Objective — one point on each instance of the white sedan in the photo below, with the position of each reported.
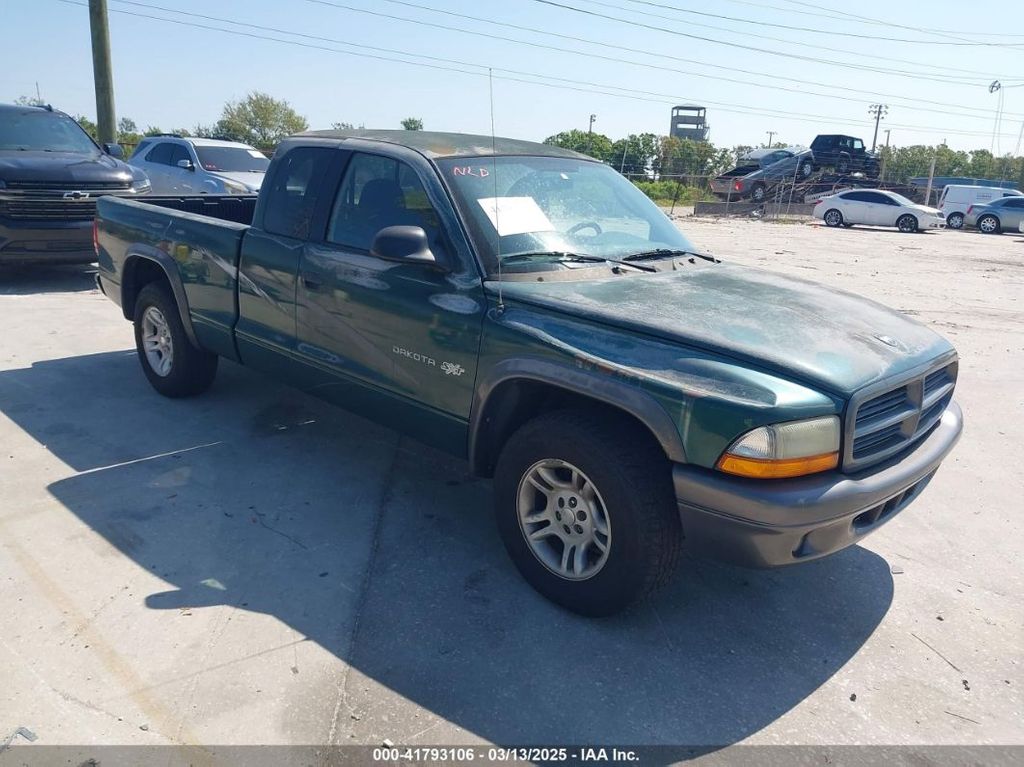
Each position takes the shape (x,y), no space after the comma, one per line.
(877,207)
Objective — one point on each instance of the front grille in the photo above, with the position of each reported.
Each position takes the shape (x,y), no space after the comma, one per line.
(48,209)
(885,423)
(70,186)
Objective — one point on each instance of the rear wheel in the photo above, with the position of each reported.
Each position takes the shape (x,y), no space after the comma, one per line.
(906,223)
(586,510)
(173,366)
(806,168)
(758,193)
(988,224)
(833,217)
(955,221)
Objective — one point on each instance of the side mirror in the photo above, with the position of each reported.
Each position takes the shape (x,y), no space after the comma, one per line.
(186,164)
(114,150)
(403,243)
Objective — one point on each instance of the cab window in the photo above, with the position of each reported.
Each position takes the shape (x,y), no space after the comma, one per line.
(292,194)
(161,153)
(375,193)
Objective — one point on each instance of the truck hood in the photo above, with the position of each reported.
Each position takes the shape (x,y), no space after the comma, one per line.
(834,339)
(251,180)
(62,167)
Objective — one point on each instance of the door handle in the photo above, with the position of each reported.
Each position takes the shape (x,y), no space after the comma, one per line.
(311,281)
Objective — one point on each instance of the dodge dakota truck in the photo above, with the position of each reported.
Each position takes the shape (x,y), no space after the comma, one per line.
(529,309)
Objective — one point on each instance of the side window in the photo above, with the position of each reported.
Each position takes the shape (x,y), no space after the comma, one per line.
(858,144)
(178,153)
(881,199)
(141,149)
(161,153)
(378,192)
(857,197)
(1013,203)
(292,194)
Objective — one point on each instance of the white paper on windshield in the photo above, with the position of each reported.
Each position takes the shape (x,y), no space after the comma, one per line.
(515,215)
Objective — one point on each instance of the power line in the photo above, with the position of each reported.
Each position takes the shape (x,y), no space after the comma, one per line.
(798,57)
(813,30)
(802,90)
(581,86)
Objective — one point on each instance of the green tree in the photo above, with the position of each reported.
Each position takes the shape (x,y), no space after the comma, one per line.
(412,123)
(636,155)
(597,145)
(29,101)
(342,126)
(260,120)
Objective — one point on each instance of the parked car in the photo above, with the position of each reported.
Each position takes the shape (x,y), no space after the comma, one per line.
(51,172)
(760,170)
(529,309)
(184,165)
(844,153)
(997,216)
(957,198)
(877,207)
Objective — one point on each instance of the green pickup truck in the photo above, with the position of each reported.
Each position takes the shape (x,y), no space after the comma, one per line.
(527,308)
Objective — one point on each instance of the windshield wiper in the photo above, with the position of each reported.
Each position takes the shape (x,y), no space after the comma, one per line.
(666,252)
(562,255)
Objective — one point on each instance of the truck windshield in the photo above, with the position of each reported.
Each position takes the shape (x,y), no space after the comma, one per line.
(40,131)
(232,159)
(523,204)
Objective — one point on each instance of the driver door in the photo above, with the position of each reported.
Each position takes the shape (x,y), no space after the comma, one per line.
(406,333)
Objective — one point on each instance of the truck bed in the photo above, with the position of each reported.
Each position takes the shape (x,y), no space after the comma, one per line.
(196,240)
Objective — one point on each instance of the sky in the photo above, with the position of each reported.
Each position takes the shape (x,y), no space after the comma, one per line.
(791,67)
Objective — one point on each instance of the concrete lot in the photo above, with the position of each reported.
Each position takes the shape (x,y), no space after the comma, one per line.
(253,566)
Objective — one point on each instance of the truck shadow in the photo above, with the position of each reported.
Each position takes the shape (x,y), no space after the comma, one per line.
(385,554)
(32,280)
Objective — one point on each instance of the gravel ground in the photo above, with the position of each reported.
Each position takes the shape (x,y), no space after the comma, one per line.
(256,567)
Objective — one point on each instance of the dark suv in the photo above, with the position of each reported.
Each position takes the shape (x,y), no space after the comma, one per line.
(844,153)
(51,173)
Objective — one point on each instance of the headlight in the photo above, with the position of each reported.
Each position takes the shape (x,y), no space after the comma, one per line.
(141,186)
(785,449)
(233,187)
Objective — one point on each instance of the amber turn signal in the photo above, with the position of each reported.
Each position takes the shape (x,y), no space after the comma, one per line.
(778,468)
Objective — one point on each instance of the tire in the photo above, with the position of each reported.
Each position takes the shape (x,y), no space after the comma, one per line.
(758,193)
(806,169)
(833,218)
(606,470)
(907,223)
(989,224)
(843,166)
(955,221)
(174,367)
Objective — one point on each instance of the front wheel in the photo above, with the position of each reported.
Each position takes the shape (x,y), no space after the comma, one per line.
(833,218)
(586,510)
(988,225)
(955,221)
(173,366)
(906,223)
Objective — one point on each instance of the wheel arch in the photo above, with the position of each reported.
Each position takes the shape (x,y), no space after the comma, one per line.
(516,390)
(144,266)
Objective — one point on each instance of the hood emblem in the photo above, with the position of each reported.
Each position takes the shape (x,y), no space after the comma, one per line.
(75,195)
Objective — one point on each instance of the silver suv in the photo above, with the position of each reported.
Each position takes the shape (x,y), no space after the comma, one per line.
(185,165)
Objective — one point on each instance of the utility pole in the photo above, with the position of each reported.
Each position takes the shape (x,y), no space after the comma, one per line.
(771,135)
(878,111)
(103,76)
(590,131)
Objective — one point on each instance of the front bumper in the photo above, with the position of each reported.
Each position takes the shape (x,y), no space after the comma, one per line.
(768,523)
(46,242)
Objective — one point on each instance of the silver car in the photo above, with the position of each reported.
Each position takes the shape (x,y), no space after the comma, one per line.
(185,165)
(1006,213)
